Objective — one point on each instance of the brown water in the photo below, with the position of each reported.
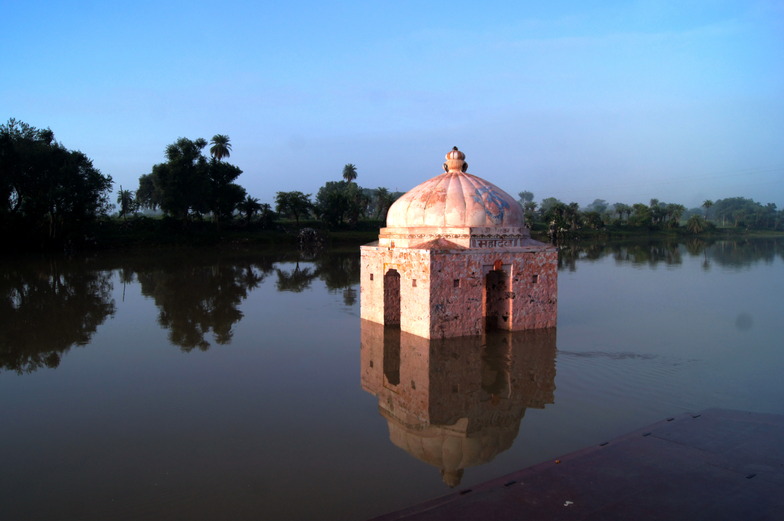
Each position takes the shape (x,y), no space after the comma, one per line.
(208,385)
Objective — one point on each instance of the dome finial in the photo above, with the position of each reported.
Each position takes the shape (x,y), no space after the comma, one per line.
(455,161)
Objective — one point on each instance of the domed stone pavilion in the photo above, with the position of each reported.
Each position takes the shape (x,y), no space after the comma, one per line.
(456,259)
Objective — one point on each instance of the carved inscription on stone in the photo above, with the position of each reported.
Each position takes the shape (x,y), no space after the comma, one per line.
(495,243)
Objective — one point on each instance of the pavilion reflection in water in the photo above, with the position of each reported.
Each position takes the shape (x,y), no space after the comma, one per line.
(456,403)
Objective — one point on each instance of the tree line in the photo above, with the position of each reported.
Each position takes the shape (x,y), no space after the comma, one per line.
(53,197)
(563,221)
(191,186)
(48,194)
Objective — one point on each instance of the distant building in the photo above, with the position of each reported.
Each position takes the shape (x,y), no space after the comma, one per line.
(456,259)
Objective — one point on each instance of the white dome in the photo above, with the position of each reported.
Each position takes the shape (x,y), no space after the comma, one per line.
(455,199)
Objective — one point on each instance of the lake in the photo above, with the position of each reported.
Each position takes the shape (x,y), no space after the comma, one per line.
(191,384)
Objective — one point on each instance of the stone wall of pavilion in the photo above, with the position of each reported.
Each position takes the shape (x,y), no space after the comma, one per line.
(457,299)
(414,269)
(442,292)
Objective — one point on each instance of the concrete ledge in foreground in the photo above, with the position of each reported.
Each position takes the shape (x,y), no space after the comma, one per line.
(715,465)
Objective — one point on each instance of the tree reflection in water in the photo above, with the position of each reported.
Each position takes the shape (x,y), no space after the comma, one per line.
(456,403)
(735,254)
(340,270)
(196,299)
(46,307)
(295,280)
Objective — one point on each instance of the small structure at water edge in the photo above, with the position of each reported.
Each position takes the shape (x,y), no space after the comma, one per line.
(457,259)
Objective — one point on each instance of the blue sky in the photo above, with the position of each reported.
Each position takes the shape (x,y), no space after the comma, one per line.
(618,100)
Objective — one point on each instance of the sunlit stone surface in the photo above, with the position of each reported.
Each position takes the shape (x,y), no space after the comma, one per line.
(456,259)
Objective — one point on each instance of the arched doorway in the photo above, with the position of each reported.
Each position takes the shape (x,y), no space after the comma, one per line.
(498,303)
(392,298)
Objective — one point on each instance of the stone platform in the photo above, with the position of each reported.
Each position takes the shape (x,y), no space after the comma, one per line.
(715,465)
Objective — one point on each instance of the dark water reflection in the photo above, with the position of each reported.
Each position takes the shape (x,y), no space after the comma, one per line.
(456,403)
(46,307)
(225,384)
(724,253)
(52,304)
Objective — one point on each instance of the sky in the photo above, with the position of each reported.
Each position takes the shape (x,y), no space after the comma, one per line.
(624,101)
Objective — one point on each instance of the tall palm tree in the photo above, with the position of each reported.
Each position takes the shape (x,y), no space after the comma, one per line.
(707,204)
(127,202)
(220,146)
(349,172)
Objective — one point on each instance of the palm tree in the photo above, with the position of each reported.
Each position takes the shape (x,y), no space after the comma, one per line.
(674,212)
(695,224)
(707,204)
(621,209)
(657,211)
(127,202)
(349,172)
(572,215)
(249,207)
(220,146)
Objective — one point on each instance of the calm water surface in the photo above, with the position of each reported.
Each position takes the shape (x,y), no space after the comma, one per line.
(209,385)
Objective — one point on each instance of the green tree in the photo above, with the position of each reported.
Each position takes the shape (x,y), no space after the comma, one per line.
(673,213)
(707,204)
(598,205)
(623,209)
(349,172)
(593,219)
(641,215)
(340,202)
(223,194)
(266,216)
(148,195)
(293,204)
(183,180)
(573,216)
(696,224)
(49,195)
(529,210)
(220,147)
(384,200)
(657,212)
(525,197)
(747,213)
(188,184)
(551,208)
(127,202)
(526,200)
(249,207)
